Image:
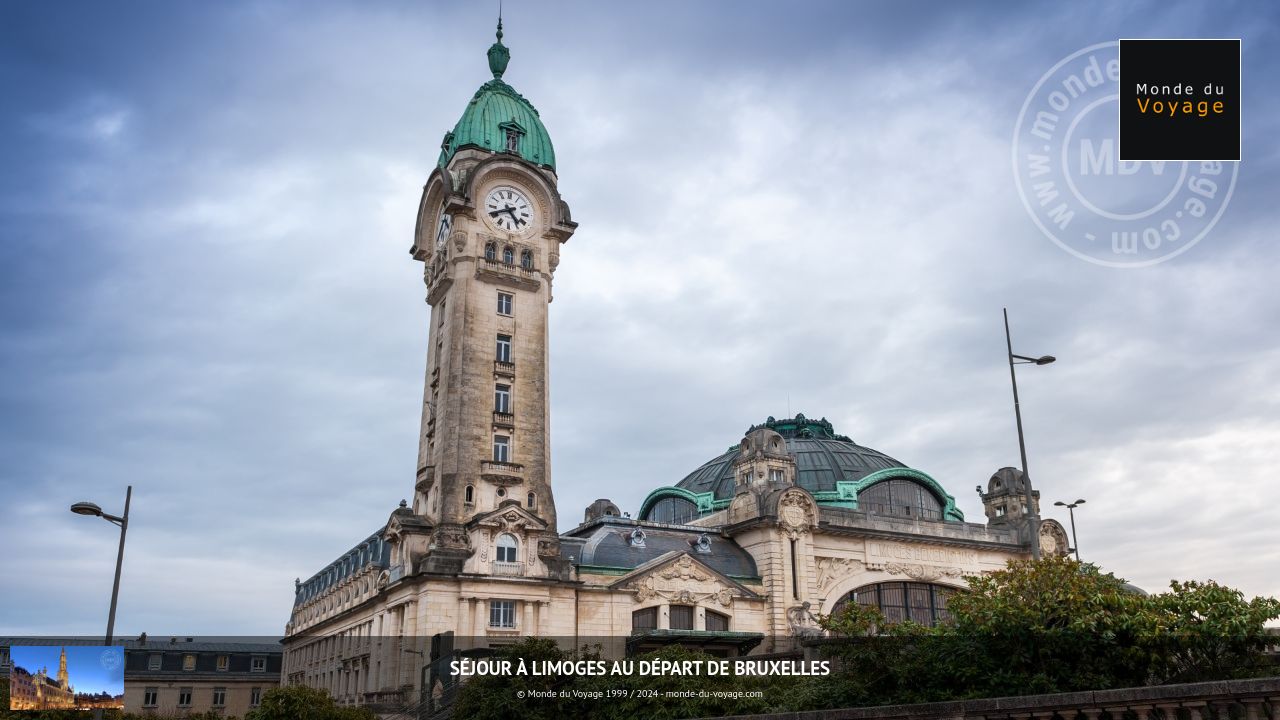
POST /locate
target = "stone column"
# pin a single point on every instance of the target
(1252, 708)
(481, 621)
(527, 626)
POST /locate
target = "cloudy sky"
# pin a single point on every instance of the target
(205, 290)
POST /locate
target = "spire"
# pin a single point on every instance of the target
(499, 55)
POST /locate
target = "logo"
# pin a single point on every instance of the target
(111, 658)
(1101, 209)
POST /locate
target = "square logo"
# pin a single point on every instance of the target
(1179, 100)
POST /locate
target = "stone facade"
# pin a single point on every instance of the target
(801, 521)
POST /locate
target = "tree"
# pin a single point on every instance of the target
(1210, 632)
(297, 702)
(1053, 625)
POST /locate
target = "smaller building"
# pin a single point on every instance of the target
(179, 676)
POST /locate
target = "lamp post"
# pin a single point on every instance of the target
(1071, 508)
(88, 508)
(1033, 518)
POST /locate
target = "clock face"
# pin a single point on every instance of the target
(442, 234)
(508, 209)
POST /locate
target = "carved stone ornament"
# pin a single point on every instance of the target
(916, 571)
(684, 568)
(802, 622)
(553, 260)
(682, 582)
(831, 570)
(459, 238)
(796, 513)
(1053, 539)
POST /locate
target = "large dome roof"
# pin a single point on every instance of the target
(823, 458)
(495, 109)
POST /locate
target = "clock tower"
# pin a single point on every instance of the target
(489, 231)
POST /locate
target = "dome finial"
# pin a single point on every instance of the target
(499, 55)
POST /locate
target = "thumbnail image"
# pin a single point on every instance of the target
(87, 677)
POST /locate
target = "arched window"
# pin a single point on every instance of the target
(923, 603)
(507, 549)
(901, 497)
(717, 622)
(469, 495)
(526, 260)
(508, 255)
(646, 619)
(532, 500)
(673, 510)
(490, 251)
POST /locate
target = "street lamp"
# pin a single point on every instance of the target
(1071, 508)
(88, 508)
(1033, 518)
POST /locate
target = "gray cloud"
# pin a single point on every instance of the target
(207, 292)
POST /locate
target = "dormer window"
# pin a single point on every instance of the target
(512, 133)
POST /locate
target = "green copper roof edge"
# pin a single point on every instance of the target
(846, 492)
(705, 502)
(845, 495)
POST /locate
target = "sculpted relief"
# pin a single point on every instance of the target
(918, 562)
(681, 581)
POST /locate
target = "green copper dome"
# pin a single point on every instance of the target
(499, 119)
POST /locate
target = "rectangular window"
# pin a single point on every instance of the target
(646, 619)
(681, 617)
(153, 662)
(149, 697)
(795, 573)
(501, 448)
(219, 696)
(506, 302)
(184, 697)
(775, 476)
(259, 665)
(504, 349)
(255, 697)
(223, 662)
(502, 399)
(188, 662)
(502, 613)
(717, 622)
